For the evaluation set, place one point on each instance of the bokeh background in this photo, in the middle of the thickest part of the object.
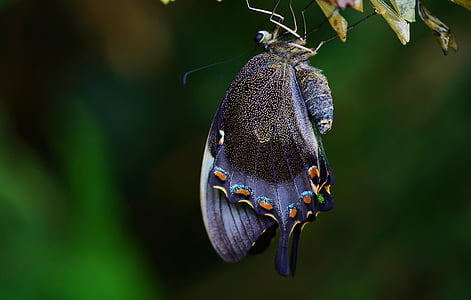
(101, 145)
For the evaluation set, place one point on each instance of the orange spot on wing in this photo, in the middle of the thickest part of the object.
(293, 212)
(242, 192)
(266, 205)
(220, 175)
(307, 199)
(313, 172)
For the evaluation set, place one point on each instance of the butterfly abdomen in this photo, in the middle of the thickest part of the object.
(317, 96)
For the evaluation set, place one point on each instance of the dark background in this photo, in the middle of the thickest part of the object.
(101, 145)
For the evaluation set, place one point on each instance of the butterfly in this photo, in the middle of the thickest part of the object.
(264, 166)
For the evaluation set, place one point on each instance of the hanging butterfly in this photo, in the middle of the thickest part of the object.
(264, 166)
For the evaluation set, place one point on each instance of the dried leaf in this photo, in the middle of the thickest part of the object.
(342, 4)
(398, 24)
(338, 23)
(442, 33)
(358, 5)
(465, 3)
(405, 8)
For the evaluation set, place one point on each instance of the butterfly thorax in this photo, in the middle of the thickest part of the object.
(292, 52)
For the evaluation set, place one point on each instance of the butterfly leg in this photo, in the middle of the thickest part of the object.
(276, 22)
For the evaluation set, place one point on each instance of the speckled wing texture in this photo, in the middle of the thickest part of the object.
(264, 164)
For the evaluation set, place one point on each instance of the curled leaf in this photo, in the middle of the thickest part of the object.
(398, 24)
(166, 1)
(405, 8)
(465, 3)
(338, 23)
(446, 39)
(342, 4)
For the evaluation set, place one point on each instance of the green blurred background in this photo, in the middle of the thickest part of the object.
(101, 145)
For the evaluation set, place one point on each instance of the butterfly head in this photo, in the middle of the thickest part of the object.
(263, 37)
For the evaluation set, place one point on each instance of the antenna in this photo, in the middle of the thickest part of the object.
(185, 76)
(289, 30)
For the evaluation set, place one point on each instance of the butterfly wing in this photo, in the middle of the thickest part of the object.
(264, 164)
(233, 228)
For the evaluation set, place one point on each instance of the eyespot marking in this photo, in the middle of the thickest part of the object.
(241, 190)
(221, 174)
(313, 172)
(307, 196)
(292, 210)
(265, 203)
